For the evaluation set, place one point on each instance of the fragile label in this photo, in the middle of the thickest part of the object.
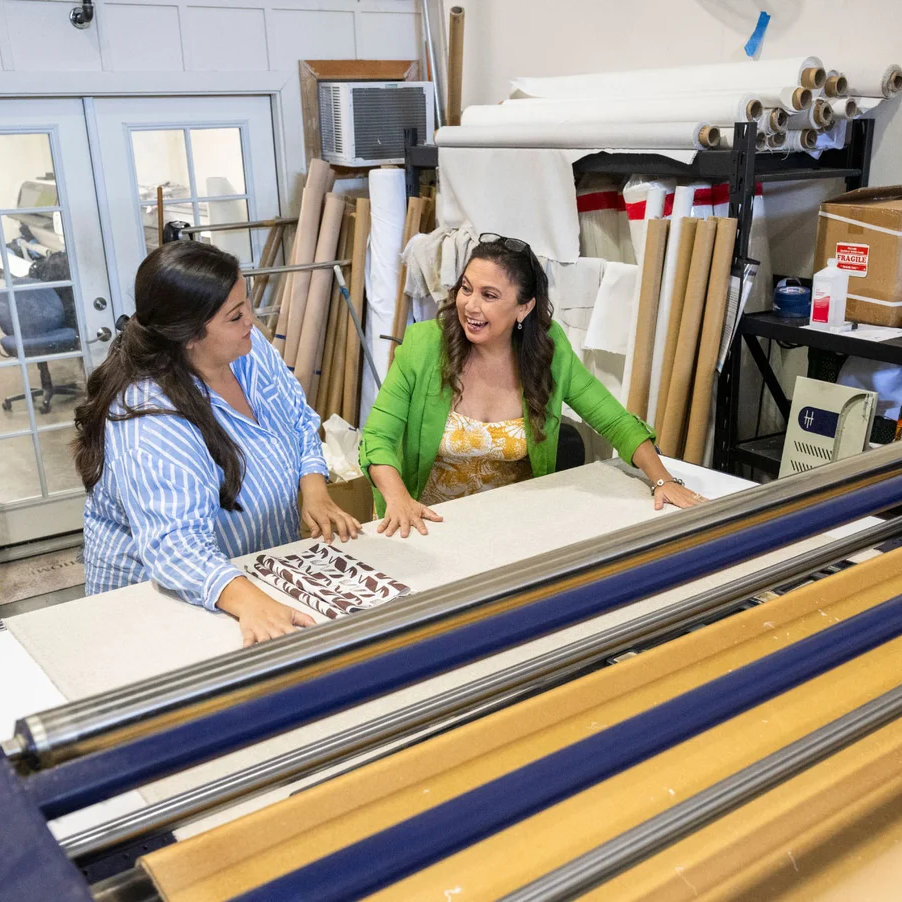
(853, 258)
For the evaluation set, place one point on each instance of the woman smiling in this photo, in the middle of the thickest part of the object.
(473, 399)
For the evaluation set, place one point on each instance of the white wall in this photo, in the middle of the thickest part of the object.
(507, 38)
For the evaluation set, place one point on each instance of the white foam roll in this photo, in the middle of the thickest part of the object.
(388, 211)
(623, 136)
(718, 108)
(843, 107)
(874, 80)
(744, 76)
(682, 207)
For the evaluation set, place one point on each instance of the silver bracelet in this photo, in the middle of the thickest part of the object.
(658, 483)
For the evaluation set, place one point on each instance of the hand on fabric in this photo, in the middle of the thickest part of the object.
(322, 515)
(678, 495)
(259, 616)
(402, 513)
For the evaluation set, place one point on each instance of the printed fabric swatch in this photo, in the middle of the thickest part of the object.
(328, 580)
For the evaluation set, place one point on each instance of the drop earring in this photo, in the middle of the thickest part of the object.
(519, 326)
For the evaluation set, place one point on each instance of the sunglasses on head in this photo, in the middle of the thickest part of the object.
(511, 244)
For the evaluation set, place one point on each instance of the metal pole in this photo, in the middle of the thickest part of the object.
(436, 74)
(235, 226)
(478, 698)
(295, 267)
(343, 288)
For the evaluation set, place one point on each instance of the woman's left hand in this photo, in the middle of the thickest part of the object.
(677, 495)
(324, 517)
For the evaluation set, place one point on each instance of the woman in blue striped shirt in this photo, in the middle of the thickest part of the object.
(192, 442)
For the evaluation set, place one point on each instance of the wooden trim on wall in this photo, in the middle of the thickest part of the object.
(313, 71)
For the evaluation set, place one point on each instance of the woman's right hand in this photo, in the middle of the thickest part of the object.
(259, 616)
(402, 512)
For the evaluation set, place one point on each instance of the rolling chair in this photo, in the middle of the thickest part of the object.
(46, 329)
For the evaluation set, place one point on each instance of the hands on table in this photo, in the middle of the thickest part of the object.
(402, 513)
(322, 515)
(677, 495)
(259, 616)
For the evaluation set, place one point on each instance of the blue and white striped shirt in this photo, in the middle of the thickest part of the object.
(155, 512)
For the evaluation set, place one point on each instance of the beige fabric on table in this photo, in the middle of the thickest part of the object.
(99, 643)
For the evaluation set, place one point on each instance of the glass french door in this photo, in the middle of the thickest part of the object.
(79, 180)
(55, 317)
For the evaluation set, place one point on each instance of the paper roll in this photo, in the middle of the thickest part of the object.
(351, 382)
(455, 63)
(680, 281)
(709, 344)
(721, 109)
(670, 440)
(682, 206)
(649, 294)
(745, 76)
(317, 306)
(873, 81)
(644, 135)
(320, 179)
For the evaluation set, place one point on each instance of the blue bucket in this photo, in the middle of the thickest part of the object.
(792, 300)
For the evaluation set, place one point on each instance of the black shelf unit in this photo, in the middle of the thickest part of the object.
(743, 168)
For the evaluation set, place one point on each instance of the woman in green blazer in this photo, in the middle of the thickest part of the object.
(474, 398)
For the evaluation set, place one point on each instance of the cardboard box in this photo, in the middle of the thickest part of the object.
(863, 231)
(355, 497)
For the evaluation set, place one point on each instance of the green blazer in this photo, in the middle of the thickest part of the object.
(405, 426)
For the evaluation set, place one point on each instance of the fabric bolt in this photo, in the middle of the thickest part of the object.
(608, 328)
(155, 513)
(408, 419)
(475, 457)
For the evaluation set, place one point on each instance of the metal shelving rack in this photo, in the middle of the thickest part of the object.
(743, 168)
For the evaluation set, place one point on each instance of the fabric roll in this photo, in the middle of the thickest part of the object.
(843, 107)
(644, 198)
(680, 281)
(647, 317)
(320, 179)
(681, 210)
(744, 76)
(702, 200)
(599, 204)
(700, 408)
(388, 211)
(868, 80)
(718, 108)
(313, 329)
(608, 328)
(670, 440)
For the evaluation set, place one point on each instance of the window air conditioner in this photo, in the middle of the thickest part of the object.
(362, 122)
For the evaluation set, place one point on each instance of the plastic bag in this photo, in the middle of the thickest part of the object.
(340, 449)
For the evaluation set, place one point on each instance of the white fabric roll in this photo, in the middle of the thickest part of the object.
(602, 136)
(539, 201)
(388, 206)
(744, 76)
(843, 107)
(644, 198)
(608, 328)
(720, 108)
(868, 80)
(682, 207)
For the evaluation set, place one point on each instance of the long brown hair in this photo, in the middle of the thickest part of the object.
(533, 346)
(178, 289)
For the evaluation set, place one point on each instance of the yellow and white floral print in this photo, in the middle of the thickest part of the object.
(474, 457)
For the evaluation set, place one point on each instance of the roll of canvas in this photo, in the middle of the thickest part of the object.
(320, 179)
(616, 135)
(727, 141)
(818, 115)
(388, 212)
(836, 85)
(771, 122)
(670, 440)
(608, 328)
(843, 107)
(599, 203)
(680, 281)
(317, 306)
(709, 345)
(719, 108)
(647, 316)
(804, 139)
(805, 71)
(682, 206)
(873, 80)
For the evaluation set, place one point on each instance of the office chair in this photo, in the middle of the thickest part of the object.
(46, 329)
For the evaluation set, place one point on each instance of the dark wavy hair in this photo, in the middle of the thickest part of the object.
(178, 289)
(533, 346)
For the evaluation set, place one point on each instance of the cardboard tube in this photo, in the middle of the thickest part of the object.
(160, 223)
(350, 390)
(317, 306)
(709, 344)
(801, 99)
(754, 110)
(836, 85)
(402, 302)
(320, 179)
(776, 141)
(649, 293)
(813, 78)
(332, 371)
(670, 440)
(680, 281)
(283, 298)
(267, 258)
(455, 63)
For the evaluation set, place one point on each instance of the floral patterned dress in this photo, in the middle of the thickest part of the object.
(474, 457)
